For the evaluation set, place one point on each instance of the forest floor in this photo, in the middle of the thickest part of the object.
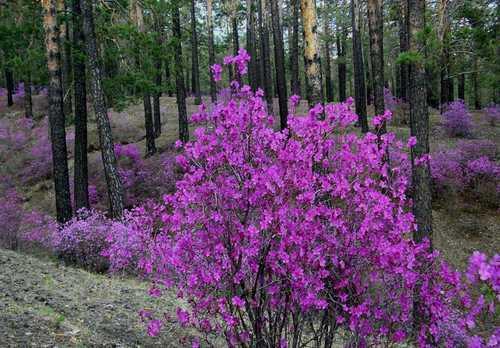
(46, 304)
(43, 303)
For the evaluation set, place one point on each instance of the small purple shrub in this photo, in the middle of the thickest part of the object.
(457, 120)
(142, 179)
(469, 168)
(82, 240)
(397, 107)
(19, 227)
(492, 113)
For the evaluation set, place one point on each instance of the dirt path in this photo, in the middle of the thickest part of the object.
(45, 304)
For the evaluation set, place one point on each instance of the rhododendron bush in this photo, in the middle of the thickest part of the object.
(457, 120)
(468, 168)
(276, 238)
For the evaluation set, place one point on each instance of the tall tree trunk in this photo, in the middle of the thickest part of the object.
(328, 68)
(279, 61)
(376, 29)
(311, 52)
(358, 66)
(28, 101)
(265, 53)
(137, 17)
(252, 66)
(65, 40)
(235, 34)
(194, 56)
(403, 47)
(341, 64)
(9, 80)
(419, 126)
(179, 78)
(81, 191)
(168, 83)
(56, 111)
(158, 71)
(461, 87)
(150, 131)
(475, 84)
(451, 89)
(114, 184)
(294, 51)
(211, 50)
(156, 100)
(368, 74)
(188, 86)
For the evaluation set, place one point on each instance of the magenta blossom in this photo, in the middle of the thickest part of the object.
(216, 72)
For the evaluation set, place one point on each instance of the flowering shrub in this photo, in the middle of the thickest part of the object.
(397, 107)
(92, 240)
(19, 227)
(142, 179)
(470, 168)
(10, 218)
(18, 95)
(128, 240)
(30, 142)
(82, 240)
(457, 121)
(308, 228)
(493, 114)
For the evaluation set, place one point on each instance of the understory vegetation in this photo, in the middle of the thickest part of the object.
(184, 185)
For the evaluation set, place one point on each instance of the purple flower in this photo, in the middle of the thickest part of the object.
(216, 72)
(154, 327)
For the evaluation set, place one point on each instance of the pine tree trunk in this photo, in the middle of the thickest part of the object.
(156, 100)
(265, 53)
(179, 77)
(194, 56)
(419, 126)
(211, 50)
(311, 52)
(251, 42)
(150, 132)
(279, 61)
(9, 80)
(461, 87)
(81, 191)
(376, 29)
(28, 101)
(158, 70)
(113, 181)
(475, 84)
(56, 112)
(294, 54)
(341, 65)
(168, 83)
(451, 89)
(137, 17)
(358, 66)
(403, 47)
(235, 35)
(65, 40)
(328, 68)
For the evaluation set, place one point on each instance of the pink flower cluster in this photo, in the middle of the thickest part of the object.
(216, 72)
(240, 61)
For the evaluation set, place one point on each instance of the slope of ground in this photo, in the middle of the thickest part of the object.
(45, 304)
